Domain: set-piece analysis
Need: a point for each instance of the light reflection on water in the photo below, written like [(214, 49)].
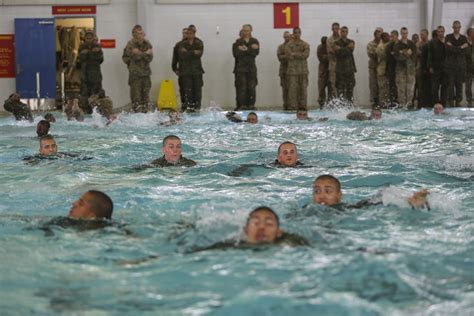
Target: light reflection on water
[(375, 261)]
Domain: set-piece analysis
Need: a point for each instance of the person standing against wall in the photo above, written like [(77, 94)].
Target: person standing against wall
[(245, 50), (137, 55), (436, 57), (372, 54), (345, 65), (297, 52), (282, 58), (455, 63), (90, 57), (382, 78), (332, 58), (422, 73), (391, 65), (175, 64), (405, 55), (191, 71), (323, 72), (470, 66)]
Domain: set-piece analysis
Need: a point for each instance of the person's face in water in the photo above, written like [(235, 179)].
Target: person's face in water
[(172, 150), (325, 192), (438, 109), (81, 208), (288, 155), (302, 115), (252, 119), (48, 147), (262, 227), (375, 115)]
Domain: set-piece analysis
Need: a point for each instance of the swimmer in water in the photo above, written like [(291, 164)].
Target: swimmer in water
[(287, 156), (252, 117), (375, 114), (42, 128), (438, 109), (327, 191), (172, 156)]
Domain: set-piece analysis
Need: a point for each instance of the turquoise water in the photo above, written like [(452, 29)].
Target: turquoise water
[(381, 260)]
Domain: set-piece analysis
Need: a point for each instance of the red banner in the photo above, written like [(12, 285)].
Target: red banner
[(7, 56), (107, 43), (73, 9), (286, 15)]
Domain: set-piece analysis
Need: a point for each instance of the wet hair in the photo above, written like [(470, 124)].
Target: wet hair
[(252, 113), (263, 208), (170, 137), (137, 27), (329, 178), (101, 204), (334, 24), (42, 128), (286, 143), (46, 137)]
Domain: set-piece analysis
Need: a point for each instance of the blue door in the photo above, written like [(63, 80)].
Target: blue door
[(35, 54)]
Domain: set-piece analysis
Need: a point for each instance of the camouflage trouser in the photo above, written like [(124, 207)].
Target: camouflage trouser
[(245, 85), (345, 82), (323, 83), (469, 77), (332, 79), (284, 89), (89, 86), (192, 88), (384, 92), (405, 81), (373, 85), (454, 85), (297, 92), (140, 93)]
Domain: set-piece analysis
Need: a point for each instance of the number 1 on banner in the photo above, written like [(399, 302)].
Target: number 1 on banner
[(287, 12)]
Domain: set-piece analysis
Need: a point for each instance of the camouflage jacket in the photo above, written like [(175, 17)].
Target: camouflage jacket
[(138, 64), (189, 61), (182, 162), (344, 57), (245, 60), (297, 52)]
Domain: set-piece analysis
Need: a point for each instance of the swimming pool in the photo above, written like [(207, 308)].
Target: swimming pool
[(381, 260)]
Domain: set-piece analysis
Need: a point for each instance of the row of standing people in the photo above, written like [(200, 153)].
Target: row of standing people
[(393, 66)]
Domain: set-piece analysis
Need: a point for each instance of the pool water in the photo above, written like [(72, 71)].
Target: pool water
[(380, 260)]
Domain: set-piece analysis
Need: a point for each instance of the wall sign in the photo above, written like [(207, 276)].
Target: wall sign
[(286, 15), (73, 9), (7, 56), (107, 43)]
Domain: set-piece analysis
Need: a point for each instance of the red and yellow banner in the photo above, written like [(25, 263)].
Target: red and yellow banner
[(73, 9), (286, 15), (7, 56), (107, 43)]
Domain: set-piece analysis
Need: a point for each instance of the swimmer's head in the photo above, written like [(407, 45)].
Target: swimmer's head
[(48, 146), (252, 118), (287, 154), (50, 118), (263, 226), (172, 148), (92, 205), (42, 129), (302, 115), (376, 114), (438, 108), (327, 190)]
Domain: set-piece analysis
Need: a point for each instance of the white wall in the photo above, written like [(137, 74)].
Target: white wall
[(165, 21)]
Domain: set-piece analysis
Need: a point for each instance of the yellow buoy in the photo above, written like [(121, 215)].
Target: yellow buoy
[(167, 97)]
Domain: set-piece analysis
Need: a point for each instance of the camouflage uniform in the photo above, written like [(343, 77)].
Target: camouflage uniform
[(469, 74), (323, 74), (139, 73), (332, 65), (190, 73), (297, 52), (245, 71), (405, 71), (282, 73), (435, 64), (182, 162), (20, 110), (423, 80), (104, 105), (373, 86), (175, 68), (455, 65), (91, 76), (391, 65), (382, 78), (345, 68)]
